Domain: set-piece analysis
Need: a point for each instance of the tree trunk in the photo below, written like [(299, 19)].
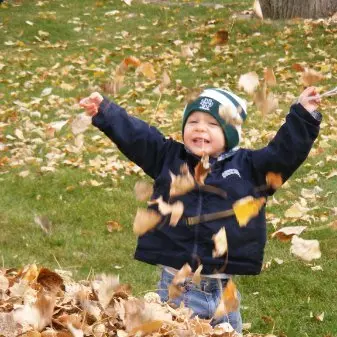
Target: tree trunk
[(287, 9)]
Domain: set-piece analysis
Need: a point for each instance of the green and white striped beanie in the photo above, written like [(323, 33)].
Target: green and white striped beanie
[(227, 108)]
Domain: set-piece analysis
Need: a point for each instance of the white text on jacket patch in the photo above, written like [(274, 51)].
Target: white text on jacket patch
[(229, 172)]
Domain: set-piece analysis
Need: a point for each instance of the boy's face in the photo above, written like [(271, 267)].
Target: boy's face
[(203, 135)]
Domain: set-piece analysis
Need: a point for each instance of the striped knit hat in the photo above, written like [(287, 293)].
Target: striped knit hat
[(227, 108)]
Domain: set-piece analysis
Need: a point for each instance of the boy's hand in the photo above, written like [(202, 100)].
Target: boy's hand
[(91, 103), (309, 99)]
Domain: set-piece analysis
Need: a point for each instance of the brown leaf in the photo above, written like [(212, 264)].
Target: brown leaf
[(80, 124), (230, 114), (183, 273), (202, 169), (333, 225), (183, 183), (134, 309), (32, 333), (132, 61), (177, 210), (44, 223), (54, 333), (192, 95), (298, 67), (143, 190), (165, 82), (186, 51), (50, 280), (309, 77), (113, 226), (220, 242), (105, 288), (307, 250), (145, 220), (220, 37), (265, 101), (39, 314), (174, 291), (269, 77), (286, 233), (274, 180), (196, 279), (249, 82)]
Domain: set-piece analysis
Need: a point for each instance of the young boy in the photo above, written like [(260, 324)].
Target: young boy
[(237, 172)]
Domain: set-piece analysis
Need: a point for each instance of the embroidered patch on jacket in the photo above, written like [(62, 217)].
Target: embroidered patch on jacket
[(229, 172), (206, 103)]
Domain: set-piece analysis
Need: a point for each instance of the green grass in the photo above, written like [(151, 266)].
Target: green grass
[(83, 48)]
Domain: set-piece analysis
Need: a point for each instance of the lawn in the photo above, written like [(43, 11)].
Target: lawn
[(55, 52)]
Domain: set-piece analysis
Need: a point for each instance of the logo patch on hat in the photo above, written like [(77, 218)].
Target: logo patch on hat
[(206, 103)]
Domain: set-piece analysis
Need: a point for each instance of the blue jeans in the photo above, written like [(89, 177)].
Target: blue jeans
[(203, 299)]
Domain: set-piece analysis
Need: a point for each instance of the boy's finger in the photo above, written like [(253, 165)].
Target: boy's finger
[(84, 101)]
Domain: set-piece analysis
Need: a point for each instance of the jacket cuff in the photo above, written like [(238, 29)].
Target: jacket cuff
[(104, 106), (314, 117)]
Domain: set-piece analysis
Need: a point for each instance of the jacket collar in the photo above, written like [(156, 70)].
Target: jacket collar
[(221, 157)]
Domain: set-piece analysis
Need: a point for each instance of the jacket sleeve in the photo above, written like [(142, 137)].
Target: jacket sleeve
[(142, 144), (290, 146)]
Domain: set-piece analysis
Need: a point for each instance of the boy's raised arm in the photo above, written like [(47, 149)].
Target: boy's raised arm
[(294, 140), (141, 143)]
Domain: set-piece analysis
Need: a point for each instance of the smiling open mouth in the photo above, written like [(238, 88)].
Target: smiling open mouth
[(200, 141)]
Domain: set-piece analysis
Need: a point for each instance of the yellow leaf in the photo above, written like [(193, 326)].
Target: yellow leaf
[(230, 297), (30, 273), (147, 70), (147, 328), (229, 301), (247, 208), (296, 211)]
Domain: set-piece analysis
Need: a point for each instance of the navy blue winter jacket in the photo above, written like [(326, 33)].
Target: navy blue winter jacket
[(238, 173)]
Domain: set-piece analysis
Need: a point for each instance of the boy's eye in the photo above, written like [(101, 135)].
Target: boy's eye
[(213, 123)]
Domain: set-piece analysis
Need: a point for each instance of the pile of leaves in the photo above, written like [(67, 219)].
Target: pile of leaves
[(39, 302)]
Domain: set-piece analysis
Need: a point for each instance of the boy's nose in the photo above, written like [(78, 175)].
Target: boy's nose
[(201, 126)]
